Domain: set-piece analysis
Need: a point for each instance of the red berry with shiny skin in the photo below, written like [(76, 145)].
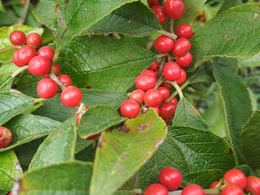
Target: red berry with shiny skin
[(167, 110), (153, 98), (213, 185), (156, 189), (145, 81), (34, 39), (39, 66), (253, 185), (56, 70), (160, 14), (184, 30), (65, 80), (185, 60), (47, 88), (232, 189), (154, 66), (137, 96), (165, 93), (17, 37), (130, 108), (152, 3), (171, 71), (193, 189), (182, 78), (174, 8), (25, 54), (174, 101), (6, 137), (171, 178), (15, 59), (71, 96), (163, 44), (150, 72), (235, 176), (181, 47), (46, 52), (167, 85)]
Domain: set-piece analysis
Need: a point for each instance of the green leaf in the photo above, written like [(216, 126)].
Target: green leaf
[(227, 4), (26, 128), (204, 150), (250, 140), (251, 62), (245, 169), (122, 152), (12, 104), (81, 144), (104, 63), (88, 154), (169, 154), (216, 38), (70, 18), (6, 81), (97, 119), (10, 170), (127, 20), (236, 105), (203, 178), (68, 178), (59, 146), (187, 116)]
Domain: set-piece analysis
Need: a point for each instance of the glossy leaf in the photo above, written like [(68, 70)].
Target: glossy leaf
[(127, 20), (122, 152), (59, 146), (12, 104), (5, 82), (169, 154), (67, 178), (97, 119), (204, 150), (26, 128), (216, 38), (10, 170), (187, 116)]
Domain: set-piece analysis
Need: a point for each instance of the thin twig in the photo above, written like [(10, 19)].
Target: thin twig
[(170, 25), (25, 11), (10, 48)]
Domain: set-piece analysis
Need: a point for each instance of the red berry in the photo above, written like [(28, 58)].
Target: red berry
[(6, 137), (47, 88), (156, 108), (171, 178), (156, 189), (174, 8), (46, 52), (130, 108), (171, 71), (182, 78), (39, 66), (92, 136), (167, 85), (65, 80), (71, 96), (145, 81), (137, 96), (34, 39), (184, 30), (235, 176), (17, 37), (151, 3), (165, 93), (150, 72), (56, 70), (185, 60), (167, 110), (213, 185), (153, 97), (160, 14), (253, 185), (163, 44), (15, 59), (181, 47), (25, 54), (153, 66), (232, 189), (193, 189), (174, 101)]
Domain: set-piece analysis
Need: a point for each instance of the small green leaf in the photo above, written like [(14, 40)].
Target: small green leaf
[(68, 178), (245, 169), (59, 146), (122, 152), (12, 104), (26, 128), (10, 170), (97, 119), (204, 150), (187, 116), (6, 81), (250, 140)]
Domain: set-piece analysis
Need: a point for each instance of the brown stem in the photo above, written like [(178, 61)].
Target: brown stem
[(25, 11), (171, 35), (53, 77), (54, 59), (170, 25)]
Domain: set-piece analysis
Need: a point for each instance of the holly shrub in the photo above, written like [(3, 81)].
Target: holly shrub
[(69, 135)]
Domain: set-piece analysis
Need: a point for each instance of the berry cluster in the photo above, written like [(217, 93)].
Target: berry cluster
[(40, 64)]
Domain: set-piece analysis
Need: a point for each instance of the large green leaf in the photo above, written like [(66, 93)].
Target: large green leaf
[(122, 152), (68, 178), (236, 104), (204, 150), (169, 154), (70, 18), (26, 128), (12, 104), (227, 4), (10, 170), (250, 140), (127, 20), (216, 38), (6, 81), (97, 119), (59, 146)]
